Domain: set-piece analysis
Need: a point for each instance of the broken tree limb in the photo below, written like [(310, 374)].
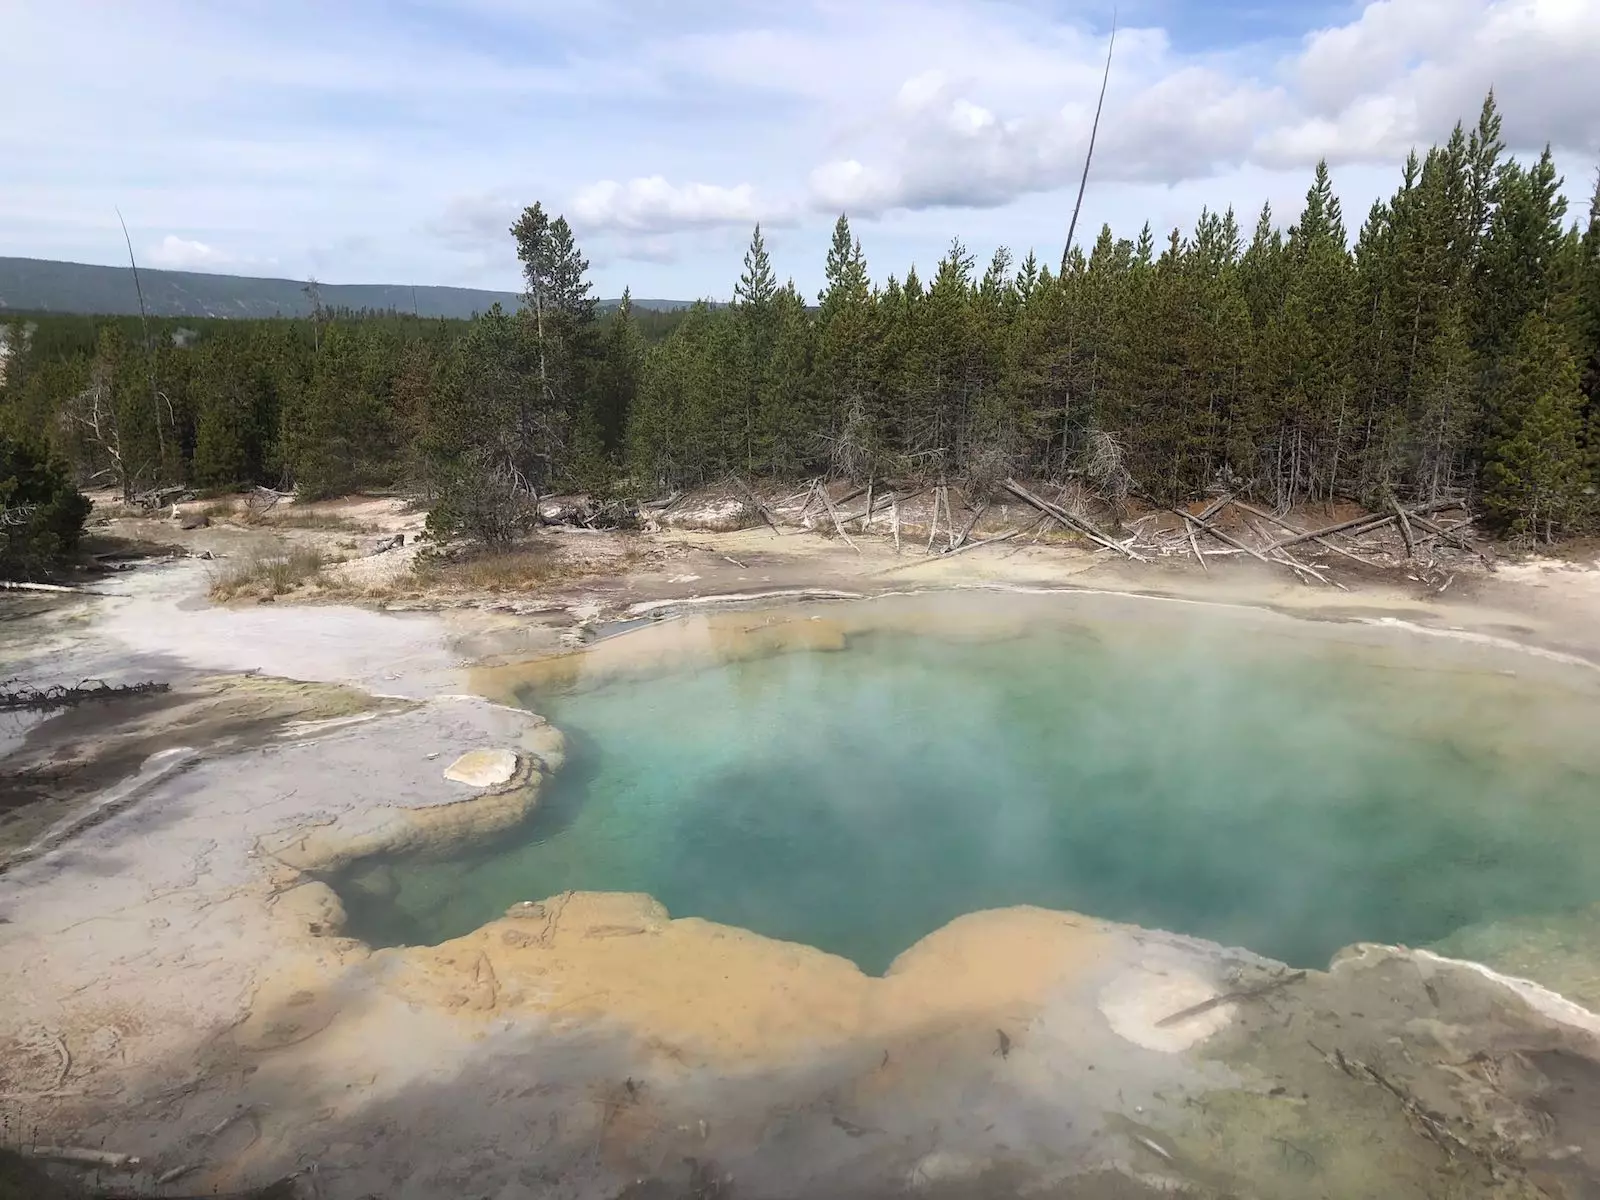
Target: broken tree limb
[(866, 522), (822, 490), (934, 527), (1076, 524)]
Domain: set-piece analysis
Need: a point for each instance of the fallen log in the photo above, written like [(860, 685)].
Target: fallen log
[(1076, 524), (754, 499), (16, 586), (1405, 529), (822, 490), (967, 528), (1195, 546), (1365, 519), (1321, 541), (1227, 539), (1448, 534)]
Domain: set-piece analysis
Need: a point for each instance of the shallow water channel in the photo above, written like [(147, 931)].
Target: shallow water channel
[(1254, 780)]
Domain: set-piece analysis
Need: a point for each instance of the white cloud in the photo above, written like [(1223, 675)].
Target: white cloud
[(1015, 120), (182, 254), (653, 205), (364, 144)]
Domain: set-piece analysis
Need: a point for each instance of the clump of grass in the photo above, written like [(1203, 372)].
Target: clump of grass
[(513, 570), (268, 574), (329, 522)]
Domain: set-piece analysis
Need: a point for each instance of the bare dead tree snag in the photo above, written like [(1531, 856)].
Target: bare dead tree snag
[(149, 354), (1088, 157)]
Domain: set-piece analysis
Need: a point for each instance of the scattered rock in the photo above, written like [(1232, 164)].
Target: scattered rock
[(483, 768)]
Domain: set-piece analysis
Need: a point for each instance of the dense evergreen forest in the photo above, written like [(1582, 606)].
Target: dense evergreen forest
[(1452, 346)]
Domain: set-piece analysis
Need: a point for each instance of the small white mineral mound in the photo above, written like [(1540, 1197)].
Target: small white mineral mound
[(483, 768)]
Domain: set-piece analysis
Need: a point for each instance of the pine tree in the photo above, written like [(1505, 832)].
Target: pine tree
[(754, 311), (561, 313), (1535, 479), (843, 360), (622, 359)]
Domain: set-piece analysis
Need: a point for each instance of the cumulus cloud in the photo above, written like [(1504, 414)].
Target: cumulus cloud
[(182, 254), (1398, 75), (654, 205)]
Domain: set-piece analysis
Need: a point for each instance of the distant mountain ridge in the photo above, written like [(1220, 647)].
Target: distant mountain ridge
[(45, 285)]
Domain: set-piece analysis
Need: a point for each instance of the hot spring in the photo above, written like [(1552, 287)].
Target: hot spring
[(1248, 778)]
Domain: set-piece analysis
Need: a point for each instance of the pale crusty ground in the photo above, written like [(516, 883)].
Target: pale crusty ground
[(175, 983)]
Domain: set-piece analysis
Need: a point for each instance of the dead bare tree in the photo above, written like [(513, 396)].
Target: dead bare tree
[(98, 416), (1094, 131), (149, 354), (1104, 465)]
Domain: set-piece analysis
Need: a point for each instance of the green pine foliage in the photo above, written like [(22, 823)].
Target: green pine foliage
[(1450, 346), (41, 511)]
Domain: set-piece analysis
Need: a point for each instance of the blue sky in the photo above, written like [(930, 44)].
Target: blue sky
[(394, 142)]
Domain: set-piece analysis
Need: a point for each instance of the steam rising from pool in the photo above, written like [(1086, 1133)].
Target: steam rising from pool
[(1291, 794)]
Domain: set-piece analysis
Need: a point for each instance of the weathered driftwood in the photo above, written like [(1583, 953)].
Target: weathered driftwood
[(1062, 516), (23, 698)]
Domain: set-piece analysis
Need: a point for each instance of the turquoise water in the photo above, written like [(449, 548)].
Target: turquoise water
[(1242, 787)]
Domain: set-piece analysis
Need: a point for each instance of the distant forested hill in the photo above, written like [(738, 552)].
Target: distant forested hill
[(42, 285)]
